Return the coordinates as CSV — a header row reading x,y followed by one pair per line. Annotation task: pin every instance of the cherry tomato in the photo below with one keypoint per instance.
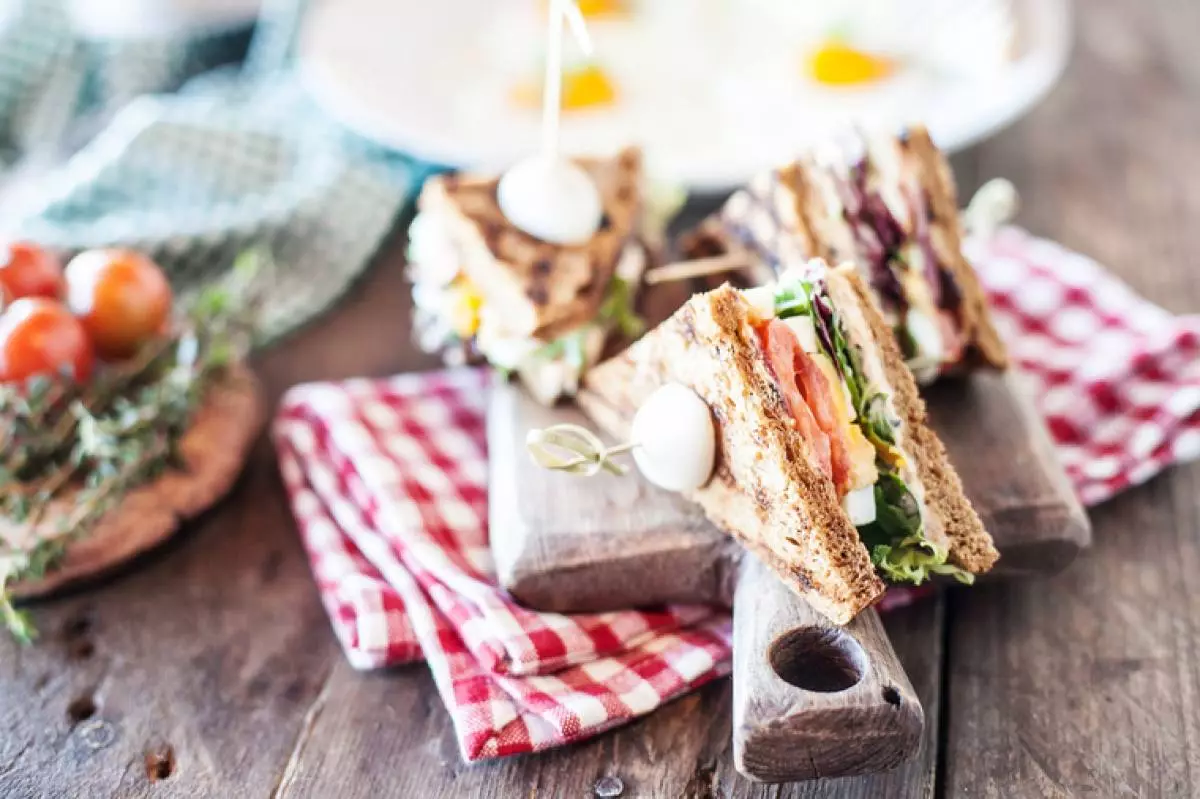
x,y
122,298
27,270
40,337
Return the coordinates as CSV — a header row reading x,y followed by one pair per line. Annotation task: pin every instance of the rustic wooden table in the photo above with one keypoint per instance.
x,y
209,669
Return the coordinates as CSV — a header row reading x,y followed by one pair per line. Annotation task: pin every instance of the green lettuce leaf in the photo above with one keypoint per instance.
x,y
896,539
793,299
617,310
875,422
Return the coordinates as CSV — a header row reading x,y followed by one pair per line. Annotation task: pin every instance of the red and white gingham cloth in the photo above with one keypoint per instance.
x,y
388,483
1116,377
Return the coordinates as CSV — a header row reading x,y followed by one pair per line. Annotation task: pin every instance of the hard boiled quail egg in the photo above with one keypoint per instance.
x,y
551,198
675,439
860,505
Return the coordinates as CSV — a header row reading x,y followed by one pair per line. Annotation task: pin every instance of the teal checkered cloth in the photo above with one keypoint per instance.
x,y
236,158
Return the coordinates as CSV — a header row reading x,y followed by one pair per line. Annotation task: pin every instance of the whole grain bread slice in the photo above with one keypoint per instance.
x,y
545,289
213,452
794,213
763,491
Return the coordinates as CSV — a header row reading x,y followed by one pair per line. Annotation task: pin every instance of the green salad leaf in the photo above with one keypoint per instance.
x,y
793,299
896,539
617,309
875,422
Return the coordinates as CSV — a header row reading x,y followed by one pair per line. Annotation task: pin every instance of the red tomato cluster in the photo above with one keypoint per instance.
x,y
106,304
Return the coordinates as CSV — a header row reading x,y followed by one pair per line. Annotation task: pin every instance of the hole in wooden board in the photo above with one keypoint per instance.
x,y
81,650
77,627
819,659
81,708
160,763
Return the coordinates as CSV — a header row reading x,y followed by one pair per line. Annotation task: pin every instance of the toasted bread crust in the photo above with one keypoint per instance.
x,y
214,450
971,547
764,491
545,289
932,172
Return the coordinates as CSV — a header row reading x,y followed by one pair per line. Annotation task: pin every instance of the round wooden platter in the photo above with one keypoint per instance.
x,y
213,450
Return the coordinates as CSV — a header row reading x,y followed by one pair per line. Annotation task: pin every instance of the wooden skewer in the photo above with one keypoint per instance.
x,y
683,270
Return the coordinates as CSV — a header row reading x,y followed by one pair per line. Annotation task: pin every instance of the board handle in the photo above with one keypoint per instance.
x,y
811,699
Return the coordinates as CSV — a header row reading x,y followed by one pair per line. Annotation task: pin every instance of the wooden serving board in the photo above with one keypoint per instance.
x,y
810,699
568,544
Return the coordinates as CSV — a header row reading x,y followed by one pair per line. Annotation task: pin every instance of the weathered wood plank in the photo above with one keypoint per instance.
x,y
192,671
387,735
570,544
1088,684
1000,447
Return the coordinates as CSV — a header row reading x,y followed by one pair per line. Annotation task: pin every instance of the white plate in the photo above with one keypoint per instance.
x,y
711,108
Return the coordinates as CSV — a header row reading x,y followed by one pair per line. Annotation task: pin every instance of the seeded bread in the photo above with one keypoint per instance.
x,y
764,491
545,289
213,451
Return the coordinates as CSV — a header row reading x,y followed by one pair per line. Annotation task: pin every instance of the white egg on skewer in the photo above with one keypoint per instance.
x,y
551,198
675,439
547,195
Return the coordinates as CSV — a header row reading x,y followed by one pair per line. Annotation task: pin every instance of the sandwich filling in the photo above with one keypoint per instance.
x,y
452,317
889,220
840,405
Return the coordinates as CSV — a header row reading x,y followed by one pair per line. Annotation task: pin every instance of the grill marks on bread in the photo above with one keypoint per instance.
x,y
545,289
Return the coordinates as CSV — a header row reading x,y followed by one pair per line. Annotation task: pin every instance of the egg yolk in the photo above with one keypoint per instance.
x,y
590,9
836,63
464,305
585,87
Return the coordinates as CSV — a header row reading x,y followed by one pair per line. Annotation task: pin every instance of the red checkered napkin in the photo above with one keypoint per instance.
x,y
1117,378
388,483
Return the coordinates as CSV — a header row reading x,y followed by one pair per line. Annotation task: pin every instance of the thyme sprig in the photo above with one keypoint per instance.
x,y
69,452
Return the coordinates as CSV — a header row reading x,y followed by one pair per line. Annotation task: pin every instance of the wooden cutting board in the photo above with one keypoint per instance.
x,y
810,699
